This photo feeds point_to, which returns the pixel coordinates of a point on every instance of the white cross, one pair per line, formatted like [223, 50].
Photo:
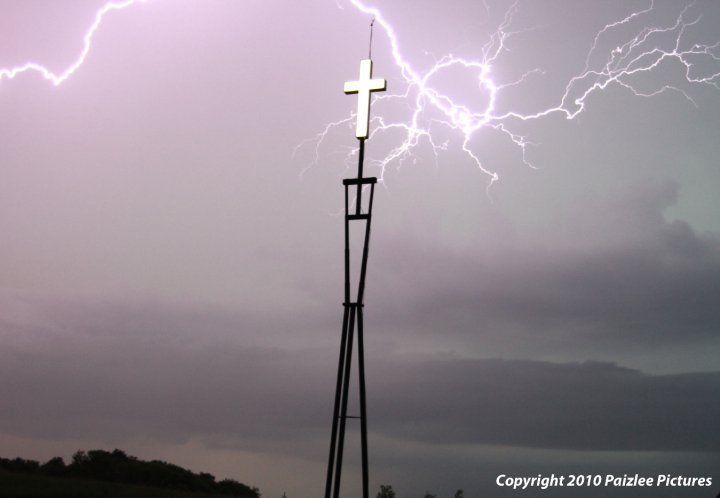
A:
[363, 87]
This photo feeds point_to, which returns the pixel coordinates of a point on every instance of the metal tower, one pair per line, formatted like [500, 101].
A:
[353, 302]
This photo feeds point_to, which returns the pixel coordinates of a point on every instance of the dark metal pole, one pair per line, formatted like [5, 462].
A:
[343, 408]
[361, 161]
[361, 347]
[341, 362]
[366, 248]
[336, 409]
[347, 248]
[363, 409]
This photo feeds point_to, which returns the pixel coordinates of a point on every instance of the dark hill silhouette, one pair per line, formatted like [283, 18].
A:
[118, 467]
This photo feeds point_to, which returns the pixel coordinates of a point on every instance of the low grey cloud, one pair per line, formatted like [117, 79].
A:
[619, 276]
[591, 406]
[141, 373]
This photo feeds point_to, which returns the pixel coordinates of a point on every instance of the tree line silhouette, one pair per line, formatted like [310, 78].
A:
[387, 491]
[117, 466]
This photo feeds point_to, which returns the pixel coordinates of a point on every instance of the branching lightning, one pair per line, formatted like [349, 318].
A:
[642, 53]
[58, 78]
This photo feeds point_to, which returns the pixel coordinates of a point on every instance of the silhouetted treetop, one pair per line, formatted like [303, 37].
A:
[117, 466]
[386, 491]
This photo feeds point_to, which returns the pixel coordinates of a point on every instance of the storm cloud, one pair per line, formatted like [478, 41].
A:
[622, 276]
[171, 276]
[119, 373]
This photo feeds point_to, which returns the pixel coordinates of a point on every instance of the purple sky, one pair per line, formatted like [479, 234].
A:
[171, 265]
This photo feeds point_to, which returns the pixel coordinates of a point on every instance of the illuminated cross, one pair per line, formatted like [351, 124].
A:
[363, 87]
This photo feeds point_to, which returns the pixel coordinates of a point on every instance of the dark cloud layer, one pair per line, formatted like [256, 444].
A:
[164, 380]
[593, 406]
[621, 278]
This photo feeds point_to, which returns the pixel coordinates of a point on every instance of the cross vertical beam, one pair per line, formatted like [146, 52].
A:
[363, 87]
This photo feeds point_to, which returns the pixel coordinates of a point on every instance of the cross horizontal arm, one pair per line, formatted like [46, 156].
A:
[376, 85]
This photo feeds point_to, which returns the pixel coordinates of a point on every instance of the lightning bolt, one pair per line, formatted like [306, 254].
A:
[58, 78]
[642, 53]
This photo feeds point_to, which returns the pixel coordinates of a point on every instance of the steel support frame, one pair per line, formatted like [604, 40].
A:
[352, 320]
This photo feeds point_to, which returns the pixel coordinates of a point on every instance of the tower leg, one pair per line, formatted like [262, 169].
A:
[363, 410]
[336, 409]
[343, 408]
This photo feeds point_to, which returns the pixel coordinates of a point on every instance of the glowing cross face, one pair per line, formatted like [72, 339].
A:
[363, 87]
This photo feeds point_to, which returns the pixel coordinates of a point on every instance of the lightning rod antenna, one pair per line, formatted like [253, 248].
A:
[371, 33]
